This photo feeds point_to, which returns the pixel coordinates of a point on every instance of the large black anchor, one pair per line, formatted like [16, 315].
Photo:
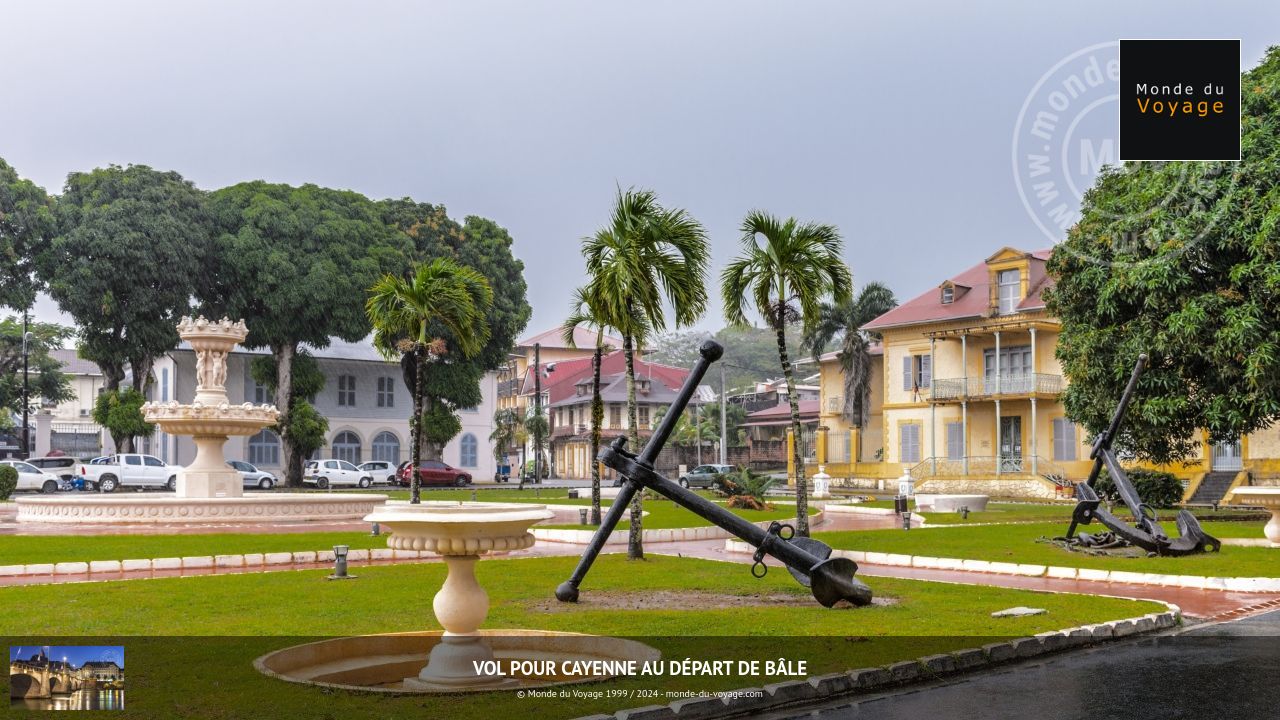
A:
[830, 579]
[1145, 532]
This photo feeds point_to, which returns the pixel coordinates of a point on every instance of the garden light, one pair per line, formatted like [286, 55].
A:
[340, 563]
[582, 513]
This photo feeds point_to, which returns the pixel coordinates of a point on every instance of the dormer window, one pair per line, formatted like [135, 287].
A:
[948, 294]
[1009, 290]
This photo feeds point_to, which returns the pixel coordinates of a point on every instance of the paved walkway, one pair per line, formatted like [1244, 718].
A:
[1211, 671]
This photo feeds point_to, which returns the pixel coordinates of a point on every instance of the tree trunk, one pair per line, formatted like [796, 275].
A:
[284, 403]
[142, 373]
[635, 542]
[415, 427]
[597, 417]
[797, 432]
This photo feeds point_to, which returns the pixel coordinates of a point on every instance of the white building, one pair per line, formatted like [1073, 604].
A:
[364, 399]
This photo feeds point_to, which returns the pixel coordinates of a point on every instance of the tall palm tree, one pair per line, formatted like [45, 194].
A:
[407, 312]
[646, 258]
[786, 269]
[586, 311]
[845, 320]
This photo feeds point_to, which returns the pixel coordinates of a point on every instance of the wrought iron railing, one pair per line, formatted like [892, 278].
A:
[1020, 384]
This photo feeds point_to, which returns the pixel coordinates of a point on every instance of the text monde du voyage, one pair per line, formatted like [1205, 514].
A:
[1180, 99]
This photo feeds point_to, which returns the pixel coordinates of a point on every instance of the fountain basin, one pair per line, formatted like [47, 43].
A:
[167, 508]
[381, 663]
[1266, 497]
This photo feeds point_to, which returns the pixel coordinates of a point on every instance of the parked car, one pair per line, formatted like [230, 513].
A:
[703, 476]
[381, 470]
[435, 472]
[63, 466]
[324, 473]
[252, 476]
[31, 477]
[131, 470]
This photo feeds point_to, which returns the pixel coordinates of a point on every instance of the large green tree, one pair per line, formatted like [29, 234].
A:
[295, 264]
[26, 224]
[1181, 261]
[404, 311]
[307, 427]
[785, 271]
[485, 247]
[646, 258]
[843, 321]
[44, 379]
[131, 245]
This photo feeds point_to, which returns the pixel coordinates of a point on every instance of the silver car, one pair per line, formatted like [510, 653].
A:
[704, 475]
[252, 476]
[381, 470]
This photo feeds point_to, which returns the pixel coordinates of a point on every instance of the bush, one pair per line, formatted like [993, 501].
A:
[8, 481]
[745, 490]
[1156, 488]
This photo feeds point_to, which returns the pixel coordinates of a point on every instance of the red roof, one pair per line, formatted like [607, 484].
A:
[781, 413]
[559, 383]
[973, 302]
[583, 338]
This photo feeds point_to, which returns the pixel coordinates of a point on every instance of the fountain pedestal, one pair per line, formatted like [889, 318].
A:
[461, 533]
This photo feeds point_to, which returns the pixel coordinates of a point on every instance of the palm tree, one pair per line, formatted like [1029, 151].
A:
[504, 433]
[586, 311]
[407, 313]
[645, 258]
[786, 277]
[844, 320]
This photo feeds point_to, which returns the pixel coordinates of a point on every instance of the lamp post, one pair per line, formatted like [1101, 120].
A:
[340, 563]
[26, 389]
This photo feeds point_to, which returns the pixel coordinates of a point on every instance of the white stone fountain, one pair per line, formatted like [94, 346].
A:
[208, 491]
[1266, 497]
[431, 662]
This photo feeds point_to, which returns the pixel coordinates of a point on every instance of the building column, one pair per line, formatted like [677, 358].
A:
[964, 434]
[791, 458]
[998, 438]
[1034, 447]
[821, 441]
[933, 407]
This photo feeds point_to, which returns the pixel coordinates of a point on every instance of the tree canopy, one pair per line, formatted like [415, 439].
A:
[26, 224]
[131, 245]
[1180, 261]
[44, 373]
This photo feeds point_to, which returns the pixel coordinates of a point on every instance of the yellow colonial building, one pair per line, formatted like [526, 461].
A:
[965, 398]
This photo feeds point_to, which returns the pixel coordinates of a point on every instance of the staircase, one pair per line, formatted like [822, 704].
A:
[1213, 487]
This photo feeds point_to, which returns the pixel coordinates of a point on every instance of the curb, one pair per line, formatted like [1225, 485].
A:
[619, 537]
[203, 562]
[756, 700]
[1232, 584]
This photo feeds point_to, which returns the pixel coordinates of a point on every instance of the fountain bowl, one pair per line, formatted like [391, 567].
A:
[1266, 497]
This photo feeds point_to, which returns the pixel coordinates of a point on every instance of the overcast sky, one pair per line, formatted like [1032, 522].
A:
[892, 120]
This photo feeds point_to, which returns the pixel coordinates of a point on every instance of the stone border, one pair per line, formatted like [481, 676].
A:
[273, 559]
[168, 509]
[1233, 584]
[756, 700]
[690, 534]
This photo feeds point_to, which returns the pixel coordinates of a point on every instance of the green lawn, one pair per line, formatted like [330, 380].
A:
[174, 674]
[1009, 512]
[1018, 543]
[31, 549]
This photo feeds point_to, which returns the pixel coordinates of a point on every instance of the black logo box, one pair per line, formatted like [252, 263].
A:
[1160, 77]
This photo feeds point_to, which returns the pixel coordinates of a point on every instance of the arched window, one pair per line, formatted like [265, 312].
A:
[346, 446]
[264, 448]
[386, 446]
[468, 451]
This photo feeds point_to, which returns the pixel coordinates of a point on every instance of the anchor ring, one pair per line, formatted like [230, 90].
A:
[764, 570]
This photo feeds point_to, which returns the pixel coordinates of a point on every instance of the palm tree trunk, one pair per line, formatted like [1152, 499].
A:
[797, 432]
[597, 416]
[415, 427]
[635, 545]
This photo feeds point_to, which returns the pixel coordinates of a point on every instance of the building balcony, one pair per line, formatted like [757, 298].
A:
[947, 390]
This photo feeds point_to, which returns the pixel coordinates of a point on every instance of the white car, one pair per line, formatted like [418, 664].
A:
[325, 473]
[31, 477]
[381, 470]
[130, 470]
[252, 476]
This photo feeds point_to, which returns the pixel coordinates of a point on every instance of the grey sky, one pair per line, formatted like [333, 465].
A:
[893, 121]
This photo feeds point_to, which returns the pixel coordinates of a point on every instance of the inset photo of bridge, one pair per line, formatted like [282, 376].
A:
[68, 677]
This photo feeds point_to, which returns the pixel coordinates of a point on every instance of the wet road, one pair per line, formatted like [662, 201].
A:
[1213, 672]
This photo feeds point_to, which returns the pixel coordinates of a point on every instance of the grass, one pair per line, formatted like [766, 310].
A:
[32, 549]
[212, 676]
[1011, 512]
[1018, 543]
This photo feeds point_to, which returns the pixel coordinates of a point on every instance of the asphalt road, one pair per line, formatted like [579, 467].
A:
[1222, 672]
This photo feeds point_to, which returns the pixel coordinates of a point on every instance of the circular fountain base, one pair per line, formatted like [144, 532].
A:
[391, 663]
[166, 508]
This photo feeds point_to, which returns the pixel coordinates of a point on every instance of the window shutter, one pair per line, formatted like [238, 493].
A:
[906, 372]
[926, 371]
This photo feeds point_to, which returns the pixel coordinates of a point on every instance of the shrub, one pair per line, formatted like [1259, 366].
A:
[8, 481]
[744, 490]
[1156, 488]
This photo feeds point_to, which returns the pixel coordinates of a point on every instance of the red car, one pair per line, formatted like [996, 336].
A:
[434, 472]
